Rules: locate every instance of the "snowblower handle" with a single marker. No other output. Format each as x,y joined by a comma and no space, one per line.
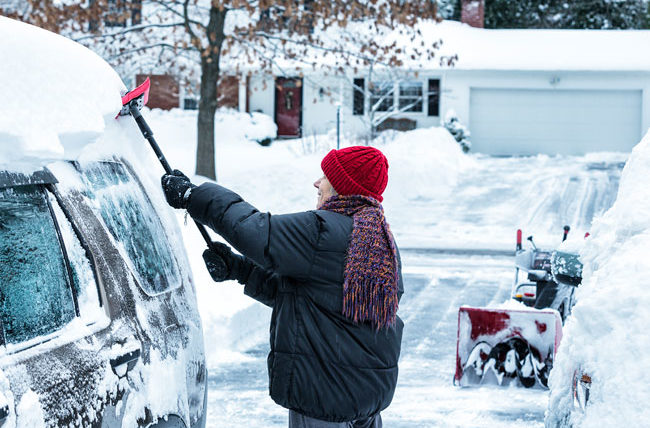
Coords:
148,134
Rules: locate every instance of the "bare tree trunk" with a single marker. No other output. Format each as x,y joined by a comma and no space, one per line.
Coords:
205,150
205,153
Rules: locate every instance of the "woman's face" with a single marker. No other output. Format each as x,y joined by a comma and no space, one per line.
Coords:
325,190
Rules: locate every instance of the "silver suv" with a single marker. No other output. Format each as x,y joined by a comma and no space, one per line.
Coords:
99,322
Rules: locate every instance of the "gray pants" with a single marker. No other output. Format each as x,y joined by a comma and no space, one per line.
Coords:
296,420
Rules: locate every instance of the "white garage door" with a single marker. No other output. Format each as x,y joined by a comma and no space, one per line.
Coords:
523,122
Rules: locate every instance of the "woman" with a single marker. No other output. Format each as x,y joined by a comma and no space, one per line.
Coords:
333,279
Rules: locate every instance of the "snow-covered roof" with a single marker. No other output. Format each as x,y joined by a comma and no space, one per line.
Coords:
532,49
56,94
483,49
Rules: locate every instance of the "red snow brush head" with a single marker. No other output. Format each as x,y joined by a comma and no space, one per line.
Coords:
357,170
139,94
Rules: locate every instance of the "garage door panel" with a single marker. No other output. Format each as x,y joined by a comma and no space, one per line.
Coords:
515,121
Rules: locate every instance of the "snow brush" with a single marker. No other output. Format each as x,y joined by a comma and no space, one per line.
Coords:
132,102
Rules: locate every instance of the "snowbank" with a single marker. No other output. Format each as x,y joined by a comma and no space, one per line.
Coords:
423,163
57,95
606,336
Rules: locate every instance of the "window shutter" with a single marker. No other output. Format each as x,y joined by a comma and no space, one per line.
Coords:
434,97
358,98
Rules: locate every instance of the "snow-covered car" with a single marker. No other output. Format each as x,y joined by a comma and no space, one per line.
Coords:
99,320
99,323
600,376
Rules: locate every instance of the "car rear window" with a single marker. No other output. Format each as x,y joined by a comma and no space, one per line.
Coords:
131,219
35,293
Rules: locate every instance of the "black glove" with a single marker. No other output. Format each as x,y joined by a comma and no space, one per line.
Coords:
177,188
223,264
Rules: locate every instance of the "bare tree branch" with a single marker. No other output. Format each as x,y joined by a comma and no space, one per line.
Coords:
127,30
143,48
195,41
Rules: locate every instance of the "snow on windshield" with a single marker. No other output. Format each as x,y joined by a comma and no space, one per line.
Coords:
57,95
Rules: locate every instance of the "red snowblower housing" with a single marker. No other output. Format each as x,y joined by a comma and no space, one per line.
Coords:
500,346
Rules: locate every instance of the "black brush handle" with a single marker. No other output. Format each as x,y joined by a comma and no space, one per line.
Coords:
148,135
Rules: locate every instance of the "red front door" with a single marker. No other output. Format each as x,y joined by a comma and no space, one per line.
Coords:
288,106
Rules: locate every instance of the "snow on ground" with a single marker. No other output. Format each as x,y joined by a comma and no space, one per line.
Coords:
437,197
425,397
606,337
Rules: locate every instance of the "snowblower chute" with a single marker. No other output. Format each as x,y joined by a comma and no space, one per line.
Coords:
501,346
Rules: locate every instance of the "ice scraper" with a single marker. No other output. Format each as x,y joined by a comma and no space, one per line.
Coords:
132,102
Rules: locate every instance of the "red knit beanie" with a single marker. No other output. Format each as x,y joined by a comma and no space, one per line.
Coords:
357,170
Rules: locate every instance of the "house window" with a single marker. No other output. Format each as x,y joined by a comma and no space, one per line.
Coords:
190,104
410,96
136,12
358,98
433,96
118,13
381,96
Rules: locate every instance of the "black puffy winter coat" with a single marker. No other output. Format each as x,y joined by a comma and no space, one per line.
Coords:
321,364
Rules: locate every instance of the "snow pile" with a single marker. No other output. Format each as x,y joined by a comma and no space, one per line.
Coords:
57,95
605,337
423,163
231,126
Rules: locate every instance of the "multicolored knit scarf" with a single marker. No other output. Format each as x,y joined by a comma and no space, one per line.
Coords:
370,283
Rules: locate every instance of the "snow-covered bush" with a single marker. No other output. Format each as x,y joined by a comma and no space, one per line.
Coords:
606,336
458,130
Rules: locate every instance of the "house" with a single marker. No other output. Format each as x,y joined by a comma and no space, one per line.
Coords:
520,92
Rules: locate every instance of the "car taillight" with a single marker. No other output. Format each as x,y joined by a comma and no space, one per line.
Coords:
581,388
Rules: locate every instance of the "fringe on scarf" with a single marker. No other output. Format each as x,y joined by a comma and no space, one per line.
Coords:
370,285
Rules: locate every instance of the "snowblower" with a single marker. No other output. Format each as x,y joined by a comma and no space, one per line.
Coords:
506,346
